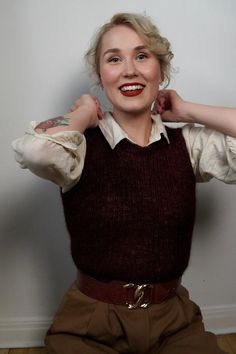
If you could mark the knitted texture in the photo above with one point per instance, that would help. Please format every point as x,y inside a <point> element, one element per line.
<point>131,215</point>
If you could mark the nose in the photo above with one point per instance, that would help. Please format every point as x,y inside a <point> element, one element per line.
<point>130,69</point>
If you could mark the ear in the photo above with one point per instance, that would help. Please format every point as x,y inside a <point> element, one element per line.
<point>162,78</point>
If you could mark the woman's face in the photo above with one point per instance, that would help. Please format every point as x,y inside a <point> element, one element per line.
<point>130,73</point>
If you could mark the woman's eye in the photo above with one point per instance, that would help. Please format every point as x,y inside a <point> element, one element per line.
<point>142,56</point>
<point>114,60</point>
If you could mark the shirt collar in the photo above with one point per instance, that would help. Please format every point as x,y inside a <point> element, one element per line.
<point>114,133</point>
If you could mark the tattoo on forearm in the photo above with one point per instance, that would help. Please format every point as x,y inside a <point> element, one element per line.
<point>52,123</point>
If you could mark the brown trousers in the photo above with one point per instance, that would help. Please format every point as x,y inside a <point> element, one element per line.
<point>86,326</point>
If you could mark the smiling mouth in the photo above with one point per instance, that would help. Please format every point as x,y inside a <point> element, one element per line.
<point>131,90</point>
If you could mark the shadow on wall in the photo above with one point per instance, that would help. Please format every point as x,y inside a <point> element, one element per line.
<point>205,213</point>
<point>214,209</point>
<point>35,245</point>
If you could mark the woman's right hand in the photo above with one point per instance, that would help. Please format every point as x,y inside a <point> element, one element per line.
<point>89,104</point>
<point>84,114</point>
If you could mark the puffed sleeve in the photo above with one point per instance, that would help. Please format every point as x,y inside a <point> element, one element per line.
<point>58,157</point>
<point>212,154</point>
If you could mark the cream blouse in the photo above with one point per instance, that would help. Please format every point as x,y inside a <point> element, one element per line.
<point>60,157</point>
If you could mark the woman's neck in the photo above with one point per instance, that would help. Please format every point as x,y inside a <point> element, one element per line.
<point>138,127</point>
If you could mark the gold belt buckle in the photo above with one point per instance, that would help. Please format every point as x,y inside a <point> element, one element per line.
<point>138,295</point>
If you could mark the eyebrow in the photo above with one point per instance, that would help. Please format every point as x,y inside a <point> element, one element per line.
<point>117,50</point>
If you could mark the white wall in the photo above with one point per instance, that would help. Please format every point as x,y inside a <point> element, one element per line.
<point>42,72</point>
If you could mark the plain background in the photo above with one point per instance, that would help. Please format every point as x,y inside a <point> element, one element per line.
<point>42,72</point>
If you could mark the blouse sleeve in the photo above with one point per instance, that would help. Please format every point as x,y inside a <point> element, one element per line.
<point>58,157</point>
<point>212,154</point>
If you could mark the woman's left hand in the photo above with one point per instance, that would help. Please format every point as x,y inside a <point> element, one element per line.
<point>170,106</point>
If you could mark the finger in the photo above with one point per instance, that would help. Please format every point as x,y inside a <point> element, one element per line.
<point>72,108</point>
<point>167,116</point>
<point>100,113</point>
<point>98,107</point>
<point>159,104</point>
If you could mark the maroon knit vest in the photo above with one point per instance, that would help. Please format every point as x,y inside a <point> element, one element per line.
<point>131,215</point>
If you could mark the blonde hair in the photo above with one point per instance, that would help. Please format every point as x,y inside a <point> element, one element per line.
<point>144,27</point>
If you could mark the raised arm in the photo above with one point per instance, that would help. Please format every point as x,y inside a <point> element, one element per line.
<point>55,149</point>
<point>83,114</point>
<point>173,108</point>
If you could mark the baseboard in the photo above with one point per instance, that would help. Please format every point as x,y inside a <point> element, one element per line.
<point>220,319</point>
<point>30,332</point>
<point>23,332</point>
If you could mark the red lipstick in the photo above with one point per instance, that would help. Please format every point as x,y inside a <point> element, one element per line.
<point>131,89</point>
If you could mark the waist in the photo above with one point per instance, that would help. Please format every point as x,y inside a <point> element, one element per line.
<point>129,294</point>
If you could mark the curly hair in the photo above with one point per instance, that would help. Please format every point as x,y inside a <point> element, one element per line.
<point>144,27</point>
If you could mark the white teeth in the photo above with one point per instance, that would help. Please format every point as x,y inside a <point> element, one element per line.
<point>131,88</point>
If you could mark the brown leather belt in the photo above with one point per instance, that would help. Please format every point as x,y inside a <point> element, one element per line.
<point>130,294</point>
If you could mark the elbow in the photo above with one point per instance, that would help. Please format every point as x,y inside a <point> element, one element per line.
<point>37,157</point>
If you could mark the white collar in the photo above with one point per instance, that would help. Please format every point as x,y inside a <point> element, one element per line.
<point>114,133</point>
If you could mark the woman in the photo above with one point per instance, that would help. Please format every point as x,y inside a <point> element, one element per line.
<point>128,191</point>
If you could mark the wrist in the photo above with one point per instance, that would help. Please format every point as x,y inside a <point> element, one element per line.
<point>81,118</point>
<point>187,112</point>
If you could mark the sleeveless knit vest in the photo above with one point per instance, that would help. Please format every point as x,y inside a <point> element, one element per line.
<point>131,215</point>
